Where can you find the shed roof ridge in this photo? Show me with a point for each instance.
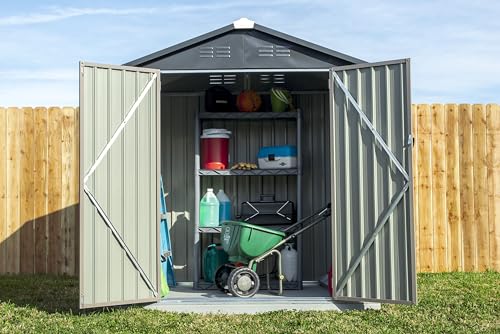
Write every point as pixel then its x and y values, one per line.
pixel 243 24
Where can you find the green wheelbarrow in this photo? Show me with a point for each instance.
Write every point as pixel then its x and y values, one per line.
pixel 248 244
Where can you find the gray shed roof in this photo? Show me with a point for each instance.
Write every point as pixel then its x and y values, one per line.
pixel 244 44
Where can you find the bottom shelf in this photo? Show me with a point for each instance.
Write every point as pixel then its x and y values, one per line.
pixel 202 285
pixel 209 229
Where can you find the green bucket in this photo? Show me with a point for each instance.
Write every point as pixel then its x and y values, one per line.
pixel 243 241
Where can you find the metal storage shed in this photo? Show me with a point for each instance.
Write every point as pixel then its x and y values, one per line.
pixel 141 119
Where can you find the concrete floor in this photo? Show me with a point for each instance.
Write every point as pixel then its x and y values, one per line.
pixel 311 298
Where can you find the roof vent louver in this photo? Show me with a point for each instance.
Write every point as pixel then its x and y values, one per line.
pixel 273 51
pixel 265 78
pixel 206 52
pixel 275 79
pixel 278 78
pixel 266 51
pixel 223 52
pixel 215 52
pixel 222 79
pixel 281 51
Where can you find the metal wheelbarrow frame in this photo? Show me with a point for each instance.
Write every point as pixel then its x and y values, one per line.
pixel 243 281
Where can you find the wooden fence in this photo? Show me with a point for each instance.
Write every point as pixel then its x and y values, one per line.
pixel 456 188
pixel 39 190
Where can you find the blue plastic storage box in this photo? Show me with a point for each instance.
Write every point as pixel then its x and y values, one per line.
pixel 277 157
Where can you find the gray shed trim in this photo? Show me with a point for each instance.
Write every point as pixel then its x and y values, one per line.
pixel 325 52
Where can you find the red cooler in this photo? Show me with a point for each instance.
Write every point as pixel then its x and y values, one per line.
pixel 215 149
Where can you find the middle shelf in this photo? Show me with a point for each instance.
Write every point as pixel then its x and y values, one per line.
pixel 237 172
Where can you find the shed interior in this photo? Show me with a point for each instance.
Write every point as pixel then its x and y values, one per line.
pixel 183 97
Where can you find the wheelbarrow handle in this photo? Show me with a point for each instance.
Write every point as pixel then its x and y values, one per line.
pixel 323 213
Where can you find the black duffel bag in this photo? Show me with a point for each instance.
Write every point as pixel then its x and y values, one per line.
pixel 268 212
pixel 218 99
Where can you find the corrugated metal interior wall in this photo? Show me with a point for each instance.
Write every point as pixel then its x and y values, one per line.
pixel 177 166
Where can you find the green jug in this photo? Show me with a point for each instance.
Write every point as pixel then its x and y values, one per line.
pixel 213 257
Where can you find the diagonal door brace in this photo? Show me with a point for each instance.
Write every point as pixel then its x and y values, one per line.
pixel 370 126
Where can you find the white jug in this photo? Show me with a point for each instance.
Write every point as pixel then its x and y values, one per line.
pixel 289 262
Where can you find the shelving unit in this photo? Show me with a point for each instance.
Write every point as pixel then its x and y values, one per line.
pixel 247 116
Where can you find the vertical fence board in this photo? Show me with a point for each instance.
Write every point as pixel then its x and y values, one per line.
pixel 68 189
pixel 467 187
pixel 13 238
pixel 26 180
pixel 480 186
pixel 3 188
pixel 424 167
pixel 493 158
pixel 453 188
pixel 55 246
pixel 40 189
pixel 439 187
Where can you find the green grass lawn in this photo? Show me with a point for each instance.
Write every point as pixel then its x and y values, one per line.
pixel 452 303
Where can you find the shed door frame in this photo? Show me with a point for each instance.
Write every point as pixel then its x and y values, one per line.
pixel 86 193
pixel 400 194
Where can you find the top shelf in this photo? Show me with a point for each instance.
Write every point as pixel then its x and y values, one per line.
pixel 249 115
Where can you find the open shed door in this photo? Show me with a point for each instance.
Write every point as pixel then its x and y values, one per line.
pixel 119 185
pixel 371 143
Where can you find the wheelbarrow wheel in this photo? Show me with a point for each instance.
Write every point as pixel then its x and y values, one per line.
pixel 243 282
pixel 221 277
